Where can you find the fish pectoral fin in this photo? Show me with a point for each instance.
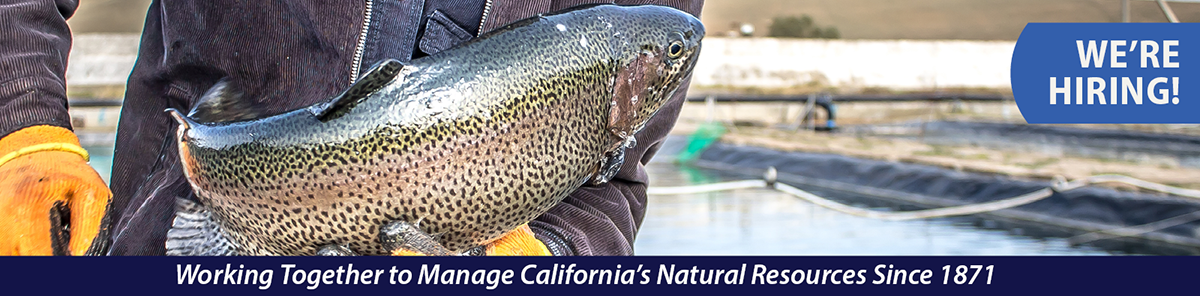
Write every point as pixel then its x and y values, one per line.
pixel 223 103
pixel 335 250
pixel 401 238
pixel 609 166
pixel 195 233
pixel 374 79
pixel 612 161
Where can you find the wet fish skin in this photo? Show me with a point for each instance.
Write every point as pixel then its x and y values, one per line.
pixel 467 144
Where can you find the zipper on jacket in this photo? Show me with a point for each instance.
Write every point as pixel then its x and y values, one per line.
pixel 487 7
pixel 362 44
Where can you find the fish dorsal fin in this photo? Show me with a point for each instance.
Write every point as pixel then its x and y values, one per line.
pixel 223 103
pixel 376 78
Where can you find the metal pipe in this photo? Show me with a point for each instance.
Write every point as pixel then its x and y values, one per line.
pixel 1124 11
pixel 805 118
pixel 94 102
pixel 831 111
pixel 1167 11
pixel 711 102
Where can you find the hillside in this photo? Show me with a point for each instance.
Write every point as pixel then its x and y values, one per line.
pixel 933 19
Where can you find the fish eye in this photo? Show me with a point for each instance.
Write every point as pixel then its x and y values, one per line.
pixel 675 50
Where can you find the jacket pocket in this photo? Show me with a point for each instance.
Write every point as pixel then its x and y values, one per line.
pixel 442 33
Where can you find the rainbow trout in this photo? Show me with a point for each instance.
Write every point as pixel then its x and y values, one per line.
pixel 462 146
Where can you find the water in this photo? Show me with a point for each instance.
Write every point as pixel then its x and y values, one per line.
pixel 101 160
pixel 767 222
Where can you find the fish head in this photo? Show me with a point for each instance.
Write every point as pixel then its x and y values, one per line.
pixel 185 125
pixel 655 50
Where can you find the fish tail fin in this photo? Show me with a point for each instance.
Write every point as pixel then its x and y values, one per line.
pixel 195 233
pixel 223 102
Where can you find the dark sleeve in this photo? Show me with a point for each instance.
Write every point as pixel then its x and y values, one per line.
pixel 604 219
pixel 34 43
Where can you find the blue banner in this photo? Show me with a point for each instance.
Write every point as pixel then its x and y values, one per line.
pixel 1107 73
pixel 596 275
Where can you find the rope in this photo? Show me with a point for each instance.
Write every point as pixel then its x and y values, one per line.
pixel 714 187
pixel 1127 180
pixel 1133 230
pixel 1059 185
pixel 921 214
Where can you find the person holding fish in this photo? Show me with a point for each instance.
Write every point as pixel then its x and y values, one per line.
pixel 289 86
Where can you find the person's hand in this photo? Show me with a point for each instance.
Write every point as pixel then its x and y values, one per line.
pixel 51 201
pixel 406 240
pixel 519 242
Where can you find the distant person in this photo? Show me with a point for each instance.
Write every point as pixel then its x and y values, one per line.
pixel 284 55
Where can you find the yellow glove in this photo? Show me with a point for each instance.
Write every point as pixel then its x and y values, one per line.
pixel 50 199
pixel 519 242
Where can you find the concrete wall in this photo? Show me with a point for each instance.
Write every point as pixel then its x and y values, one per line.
pixel 106 59
pixel 851 64
pixel 101 59
pixel 99 62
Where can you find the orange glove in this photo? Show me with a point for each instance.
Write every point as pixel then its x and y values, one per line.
pixel 51 201
pixel 519 242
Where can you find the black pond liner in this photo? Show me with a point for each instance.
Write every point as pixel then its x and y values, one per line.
pixel 1063 214
pixel 1096 143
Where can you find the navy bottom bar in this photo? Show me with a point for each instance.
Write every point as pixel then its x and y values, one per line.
pixel 597 275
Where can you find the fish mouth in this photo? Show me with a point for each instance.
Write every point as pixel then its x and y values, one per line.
pixel 179 117
pixel 185 157
pixel 697 30
pixel 185 124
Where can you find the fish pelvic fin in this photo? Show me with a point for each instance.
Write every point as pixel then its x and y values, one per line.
pixel 376 78
pixel 195 233
pixel 224 103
